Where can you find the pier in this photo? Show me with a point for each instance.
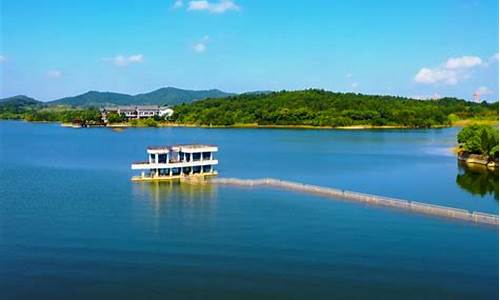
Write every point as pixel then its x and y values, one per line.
pixel 418 207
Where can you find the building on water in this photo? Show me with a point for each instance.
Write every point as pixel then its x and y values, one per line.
pixel 177 162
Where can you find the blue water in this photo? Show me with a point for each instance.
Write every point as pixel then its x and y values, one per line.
pixel 72 225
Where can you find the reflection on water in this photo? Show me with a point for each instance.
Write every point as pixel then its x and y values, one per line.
pixel 168 199
pixel 165 190
pixel 478 180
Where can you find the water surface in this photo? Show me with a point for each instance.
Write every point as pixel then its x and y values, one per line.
pixel 73 225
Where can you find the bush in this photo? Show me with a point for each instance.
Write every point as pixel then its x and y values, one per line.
pixel 479 139
pixel 114 117
pixel 149 122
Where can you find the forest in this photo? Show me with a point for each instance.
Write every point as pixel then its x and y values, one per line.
pixel 311 107
pixel 323 108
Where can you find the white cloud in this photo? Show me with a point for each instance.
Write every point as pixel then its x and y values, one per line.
pixel 437 75
pixel 354 85
pixel 135 58
pixel 54 74
pixel 213 7
pixel 2 59
pixel 463 62
pixel 482 90
pixel 198 5
pixel 494 58
pixel 201 46
pixel 455 69
pixel 178 4
pixel 123 61
pixel 348 76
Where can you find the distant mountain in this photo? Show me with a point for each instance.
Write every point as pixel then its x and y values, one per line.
pixel 19 100
pixel 173 96
pixel 265 92
pixel 94 98
pixel 163 96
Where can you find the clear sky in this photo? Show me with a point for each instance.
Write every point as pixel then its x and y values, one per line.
pixel 55 48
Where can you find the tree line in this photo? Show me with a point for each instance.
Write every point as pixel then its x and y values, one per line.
pixel 38 112
pixel 322 108
pixel 311 107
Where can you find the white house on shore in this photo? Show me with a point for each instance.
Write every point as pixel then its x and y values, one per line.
pixel 138 111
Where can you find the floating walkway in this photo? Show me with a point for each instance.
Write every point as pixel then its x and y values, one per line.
pixel 424 208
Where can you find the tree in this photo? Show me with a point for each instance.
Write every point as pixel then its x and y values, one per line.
pixel 479 139
pixel 114 117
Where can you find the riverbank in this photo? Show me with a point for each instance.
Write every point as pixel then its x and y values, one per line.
pixel 466 122
pixel 255 126
pixel 460 123
pixel 476 159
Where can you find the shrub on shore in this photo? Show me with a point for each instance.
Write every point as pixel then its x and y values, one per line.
pixel 479 139
pixel 149 122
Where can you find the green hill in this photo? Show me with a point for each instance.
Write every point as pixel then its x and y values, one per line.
pixel 14 107
pixel 19 100
pixel 173 96
pixel 163 96
pixel 324 108
pixel 94 98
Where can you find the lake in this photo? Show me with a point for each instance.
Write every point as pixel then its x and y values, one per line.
pixel 73 225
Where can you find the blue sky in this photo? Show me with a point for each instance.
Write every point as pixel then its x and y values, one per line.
pixel 50 49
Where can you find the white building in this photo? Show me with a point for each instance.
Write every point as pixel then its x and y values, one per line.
pixel 177 161
pixel 139 111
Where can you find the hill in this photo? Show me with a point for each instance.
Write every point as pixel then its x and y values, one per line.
pixel 173 96
pixel 14 107
pixel 324 108
pixel 19 100
pixel 94 98
pixel 163 96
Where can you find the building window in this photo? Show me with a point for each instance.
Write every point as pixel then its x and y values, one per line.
pixel 162 158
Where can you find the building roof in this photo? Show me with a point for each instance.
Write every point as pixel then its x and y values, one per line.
pixel 126 108
pixel 148 107
pixel 135 107
pixel 184 148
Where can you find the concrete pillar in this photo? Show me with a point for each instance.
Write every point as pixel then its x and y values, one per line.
pixel 156 158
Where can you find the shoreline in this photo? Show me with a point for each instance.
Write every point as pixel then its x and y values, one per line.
pixel 257 126
pixel 460 123
pixel 476 159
